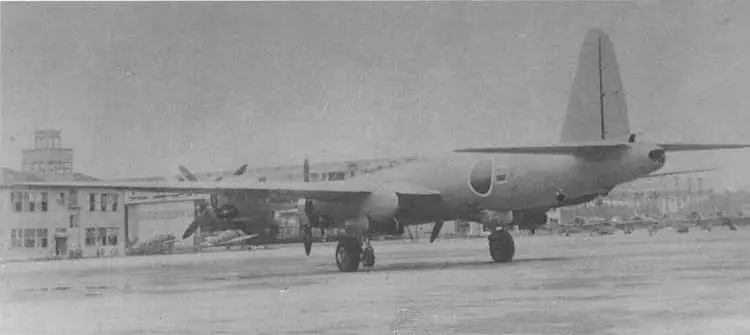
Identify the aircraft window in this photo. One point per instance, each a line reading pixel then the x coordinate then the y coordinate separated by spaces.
pixel 480 178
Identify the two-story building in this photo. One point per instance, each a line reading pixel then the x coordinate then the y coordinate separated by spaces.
pixel 58 223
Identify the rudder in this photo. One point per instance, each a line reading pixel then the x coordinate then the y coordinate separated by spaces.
pixel 596 106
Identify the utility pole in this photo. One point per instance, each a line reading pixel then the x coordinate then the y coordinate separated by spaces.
pixel 700 194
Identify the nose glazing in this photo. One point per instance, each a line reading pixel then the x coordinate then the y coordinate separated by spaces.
pixel 657 156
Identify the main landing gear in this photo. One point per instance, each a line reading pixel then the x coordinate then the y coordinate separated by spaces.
pixel 350 253
pixel 502 246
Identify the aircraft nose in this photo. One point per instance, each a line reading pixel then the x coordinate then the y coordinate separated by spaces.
pixel 657 156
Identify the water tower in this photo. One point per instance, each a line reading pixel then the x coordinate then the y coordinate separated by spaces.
pixel 48 159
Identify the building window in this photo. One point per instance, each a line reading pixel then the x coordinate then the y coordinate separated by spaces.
pixel 90 237
pixel 17 199
pixel 41 237
pixel 92 202
pixel 108 236
pixel 61 199
pixel 101 236
pixel 29 239
pixel 16 240
pixel 104 202
pixel 27 201
pixel 44 201
pixel 115 198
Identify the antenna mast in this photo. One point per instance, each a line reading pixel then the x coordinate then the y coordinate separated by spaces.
pixel 601 86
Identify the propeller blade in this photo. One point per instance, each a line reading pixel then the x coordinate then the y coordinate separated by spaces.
pixel 192 228
pixel 436 230
pixel 307 239
pixel 411 237
pixel 241 170
pixel 306 170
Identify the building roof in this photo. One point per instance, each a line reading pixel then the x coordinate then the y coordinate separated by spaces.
pixel 9 176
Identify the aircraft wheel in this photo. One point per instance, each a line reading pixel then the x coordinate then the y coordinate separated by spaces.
pixel 502 247
pixel 348 252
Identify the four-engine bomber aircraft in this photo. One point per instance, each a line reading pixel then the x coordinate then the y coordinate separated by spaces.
pixel 597 152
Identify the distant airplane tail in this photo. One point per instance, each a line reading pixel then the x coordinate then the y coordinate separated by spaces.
pixel 596 107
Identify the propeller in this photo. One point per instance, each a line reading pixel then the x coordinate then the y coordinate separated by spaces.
pixel 187 175
pixel 436 230
pixel 307 233
pixel 237 173
pixel 226 212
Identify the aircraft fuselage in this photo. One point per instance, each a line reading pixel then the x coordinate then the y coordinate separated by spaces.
pixel 469 183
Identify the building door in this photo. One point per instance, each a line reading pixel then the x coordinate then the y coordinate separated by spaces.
pixel 61 245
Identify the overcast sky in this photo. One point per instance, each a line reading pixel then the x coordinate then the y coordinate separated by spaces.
pixel 138 88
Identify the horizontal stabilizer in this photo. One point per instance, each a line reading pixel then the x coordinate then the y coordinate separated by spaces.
pixel 696 147
pixel 555 149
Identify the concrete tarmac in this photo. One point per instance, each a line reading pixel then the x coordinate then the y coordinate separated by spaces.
pixel 695 283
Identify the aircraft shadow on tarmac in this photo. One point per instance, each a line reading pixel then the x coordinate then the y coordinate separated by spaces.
pixel 328 269
pixel 461 265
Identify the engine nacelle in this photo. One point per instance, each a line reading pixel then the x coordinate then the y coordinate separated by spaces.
pixel 381 208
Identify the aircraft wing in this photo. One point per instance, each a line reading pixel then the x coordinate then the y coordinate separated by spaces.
pixel 672 173
pixel 555 149
pixel 275 190
pixel 331 191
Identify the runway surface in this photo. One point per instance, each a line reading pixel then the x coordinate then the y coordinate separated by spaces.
pixel 696 283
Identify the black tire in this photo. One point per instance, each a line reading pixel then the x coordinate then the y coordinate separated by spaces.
pixel 307 239
pixel 502 247
pixel 348 252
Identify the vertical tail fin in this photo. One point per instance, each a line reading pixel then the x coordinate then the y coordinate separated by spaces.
pixel 596 107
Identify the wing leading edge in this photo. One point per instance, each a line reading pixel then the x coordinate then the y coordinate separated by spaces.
pixel 276 190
